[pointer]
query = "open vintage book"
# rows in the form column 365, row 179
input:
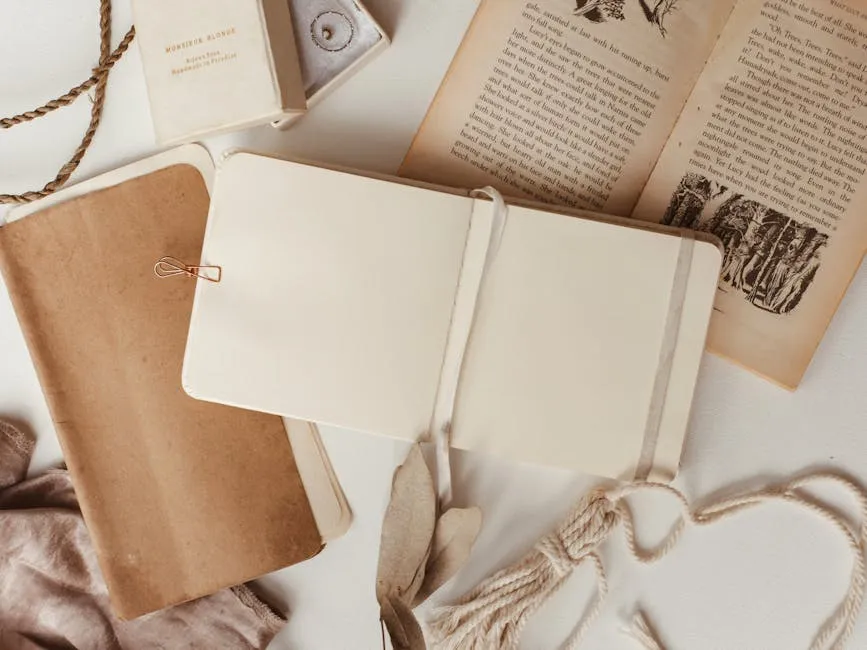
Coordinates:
column 745, row 119
column 385, row 307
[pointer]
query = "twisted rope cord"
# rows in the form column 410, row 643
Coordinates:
column 70, row 96
column 495, row 613
column 97, row 80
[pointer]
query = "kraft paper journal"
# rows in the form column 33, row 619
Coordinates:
column 346, row 300
column 181, row 498
column 52, row 594
column 330, row 507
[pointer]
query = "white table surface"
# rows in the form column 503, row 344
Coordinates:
column 760, row 582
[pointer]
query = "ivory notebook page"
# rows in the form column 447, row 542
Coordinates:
column 342, row 298
column 567, row 342
column 335, row 299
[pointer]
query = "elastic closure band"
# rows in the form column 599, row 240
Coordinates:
column 483, row 242
column 679, row 286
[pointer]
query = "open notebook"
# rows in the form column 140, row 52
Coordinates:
column 181, row 498
column 344, row 300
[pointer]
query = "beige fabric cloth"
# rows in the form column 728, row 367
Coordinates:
column 52, row 595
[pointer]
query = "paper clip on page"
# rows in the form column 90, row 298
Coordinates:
column 169, row 267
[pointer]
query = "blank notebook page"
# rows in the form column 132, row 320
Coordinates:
column 562, row 362
column 336, row 295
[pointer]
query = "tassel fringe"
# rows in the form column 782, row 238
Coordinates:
column 495, row 613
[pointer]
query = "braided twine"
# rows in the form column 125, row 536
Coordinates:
column 97, row 80
column 495, row 613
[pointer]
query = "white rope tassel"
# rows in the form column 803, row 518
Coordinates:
column 494, row 614
column 643, row 633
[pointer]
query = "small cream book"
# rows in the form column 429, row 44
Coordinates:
column 217, row 65
column 367, row 303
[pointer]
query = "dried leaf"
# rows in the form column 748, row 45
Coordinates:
column 456, row 533
column 402, row 626
column 407, row 532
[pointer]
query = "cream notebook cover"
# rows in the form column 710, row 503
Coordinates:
column 345, row 300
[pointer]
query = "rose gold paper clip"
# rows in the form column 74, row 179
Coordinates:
column 169, row 267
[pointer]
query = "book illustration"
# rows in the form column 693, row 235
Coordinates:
column 649, row 110
column 769, row 257
column 599, row 11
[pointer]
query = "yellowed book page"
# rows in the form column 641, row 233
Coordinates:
column 568, row 102
column 770, row 156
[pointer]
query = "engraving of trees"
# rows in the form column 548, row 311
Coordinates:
column 655, row 11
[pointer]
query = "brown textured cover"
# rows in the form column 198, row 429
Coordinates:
column 53, row 598
column 181, row 497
